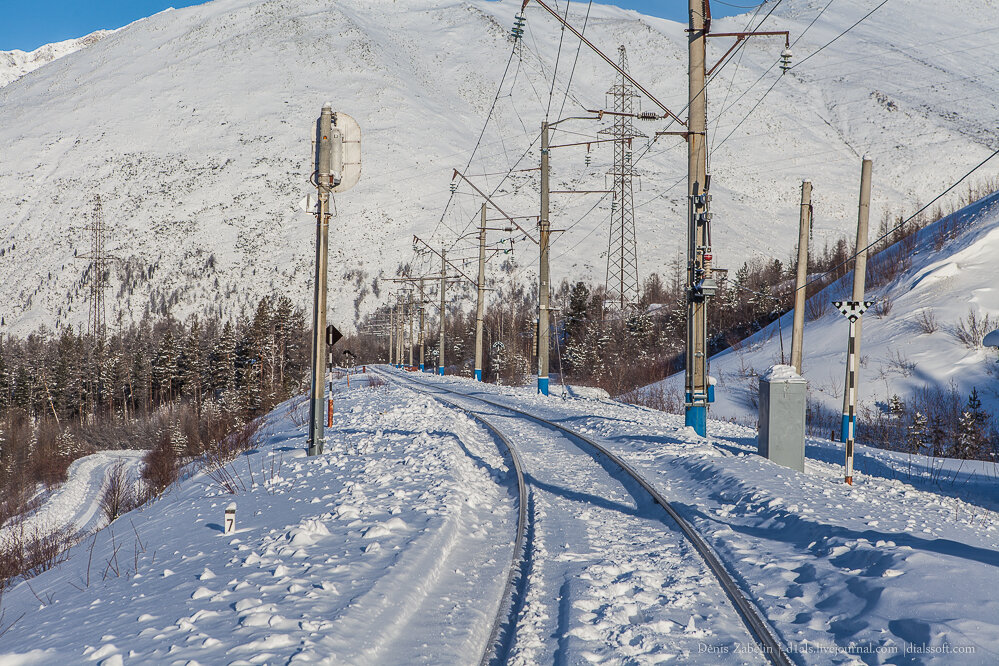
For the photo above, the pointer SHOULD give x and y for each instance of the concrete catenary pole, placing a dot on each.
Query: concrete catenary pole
(544, 290)
(422, 339)
(481, 289)
(400, 331)
(440, 348)
(391, 329)
(698, 233)
(324, 131)
(411, 338)
(847, 432)
(798, 325)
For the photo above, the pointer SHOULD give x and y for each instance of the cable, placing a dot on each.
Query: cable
(558, 56)
(579, 47)
(861, 20)
(903, 222)
(492, 107)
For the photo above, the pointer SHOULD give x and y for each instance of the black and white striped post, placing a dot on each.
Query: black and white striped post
(852, 310)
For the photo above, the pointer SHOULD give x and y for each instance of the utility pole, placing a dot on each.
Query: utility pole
(699, 283)
(422, 340)
(804, 226)
(858, 306)
(391, 332)
(410, 294)
(399, 333)
(481, 291)
(440, 349)
(544, 291)
(324, 180)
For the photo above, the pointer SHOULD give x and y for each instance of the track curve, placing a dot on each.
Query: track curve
(767, 642)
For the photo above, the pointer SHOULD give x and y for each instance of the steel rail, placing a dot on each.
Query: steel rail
(761, 631)
(497, 648)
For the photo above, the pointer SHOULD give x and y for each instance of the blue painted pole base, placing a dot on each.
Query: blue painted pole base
(543, 385)
(844, 430)
(421, 367)
(441, 372)
(696, 416)
(478, 375)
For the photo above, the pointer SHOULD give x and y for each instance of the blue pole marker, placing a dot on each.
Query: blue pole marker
(543, 385)
(421, 367)
(696, 416)
(442, 371)
(846, 428)
(478, 375)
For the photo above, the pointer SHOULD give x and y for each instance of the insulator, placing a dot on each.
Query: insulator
(518, 26)
(627, 155)
(614, 204)
(454, 187)
(647, 115)
(785, 60)
(588, 159)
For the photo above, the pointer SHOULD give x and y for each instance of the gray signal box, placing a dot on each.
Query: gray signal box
(782, 417)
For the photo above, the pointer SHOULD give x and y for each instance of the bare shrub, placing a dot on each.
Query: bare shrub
(972, 331)
(883, 305)
(927, 321)
(298, 411)
(119, 495)
(814, 308)
(26, 554)
(897, 361)
(662, 398)
(217, 456)
(161, 466)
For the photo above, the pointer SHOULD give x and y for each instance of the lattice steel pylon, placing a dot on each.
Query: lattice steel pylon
(621, 284)
(99, 263)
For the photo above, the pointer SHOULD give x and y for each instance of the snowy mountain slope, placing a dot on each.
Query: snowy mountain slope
(195, 126)
(15, 64)
(329, 559)
(951, 277)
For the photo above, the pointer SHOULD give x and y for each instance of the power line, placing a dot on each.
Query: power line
(861, 20)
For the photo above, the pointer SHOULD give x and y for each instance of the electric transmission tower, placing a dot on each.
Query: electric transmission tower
(99, 262)
(621, 283)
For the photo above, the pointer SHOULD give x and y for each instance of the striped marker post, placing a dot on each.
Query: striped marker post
(852, 310)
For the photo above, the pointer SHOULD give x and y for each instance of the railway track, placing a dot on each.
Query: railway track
(511, 614)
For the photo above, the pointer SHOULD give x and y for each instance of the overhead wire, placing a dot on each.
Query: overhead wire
(821, 48)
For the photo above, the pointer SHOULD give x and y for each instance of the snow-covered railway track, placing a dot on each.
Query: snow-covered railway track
(642, 634)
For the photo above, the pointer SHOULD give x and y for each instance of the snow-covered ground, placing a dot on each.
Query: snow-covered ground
(74, 506)
(393, 546)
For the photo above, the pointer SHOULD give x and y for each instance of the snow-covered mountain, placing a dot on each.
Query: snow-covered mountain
(15, 64)
(195, 126)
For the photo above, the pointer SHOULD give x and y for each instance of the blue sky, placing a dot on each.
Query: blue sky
(27, 24)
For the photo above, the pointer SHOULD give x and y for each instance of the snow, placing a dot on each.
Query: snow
(15, 64)
(780, 373)
(951, 274)
(392, 547)
(195, 125)
(75, 505)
